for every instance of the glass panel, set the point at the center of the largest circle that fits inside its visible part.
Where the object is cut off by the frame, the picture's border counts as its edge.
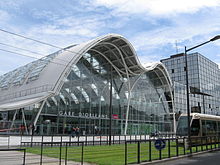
(87, 95)
(195, 127)
(182, 127)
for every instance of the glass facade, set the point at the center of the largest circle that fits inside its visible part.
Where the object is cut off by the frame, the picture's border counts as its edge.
(84, 102)
(105, 90)
(204, 81)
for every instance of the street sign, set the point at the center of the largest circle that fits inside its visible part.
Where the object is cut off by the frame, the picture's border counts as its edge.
(160, 144)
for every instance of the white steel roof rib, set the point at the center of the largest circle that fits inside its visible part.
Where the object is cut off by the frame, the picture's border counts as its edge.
(117, 51)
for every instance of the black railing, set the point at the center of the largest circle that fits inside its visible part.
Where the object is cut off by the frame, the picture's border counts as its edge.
(29, 141)
(135, 149)
(61, 157)
(175, 147)
(13, 158)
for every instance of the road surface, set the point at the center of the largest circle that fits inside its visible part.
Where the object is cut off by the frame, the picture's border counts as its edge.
(209, 158)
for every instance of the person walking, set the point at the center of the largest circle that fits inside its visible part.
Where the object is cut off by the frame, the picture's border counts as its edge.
(73, 132)
(77, 131)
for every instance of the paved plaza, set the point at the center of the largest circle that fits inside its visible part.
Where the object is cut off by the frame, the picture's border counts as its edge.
(16, 158)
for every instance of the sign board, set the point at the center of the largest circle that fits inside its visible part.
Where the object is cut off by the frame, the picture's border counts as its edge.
(160, 144)
(115, 116)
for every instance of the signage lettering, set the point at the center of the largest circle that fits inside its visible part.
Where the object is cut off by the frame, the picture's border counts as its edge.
(83, 115)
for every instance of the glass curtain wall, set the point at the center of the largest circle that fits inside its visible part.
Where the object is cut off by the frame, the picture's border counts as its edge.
(84, 102)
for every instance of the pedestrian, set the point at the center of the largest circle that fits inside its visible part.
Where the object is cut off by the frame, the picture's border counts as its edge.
(32, 129)
(77, 131)
(22, 129)
(73, 132)
(96, 130)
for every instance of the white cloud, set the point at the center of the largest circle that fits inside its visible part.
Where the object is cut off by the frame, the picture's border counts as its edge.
(67, 31)
(148, 59)
(15, 4)
(55, 30)
(86, 26)
(75, 24)
(44, 14)
(157, 7)
(62, 32)
(4, 16)
(180, 31)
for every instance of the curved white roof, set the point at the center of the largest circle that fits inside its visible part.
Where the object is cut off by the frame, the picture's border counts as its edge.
(51, 73)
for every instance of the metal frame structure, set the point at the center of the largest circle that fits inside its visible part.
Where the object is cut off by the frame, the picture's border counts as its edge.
(119, 53)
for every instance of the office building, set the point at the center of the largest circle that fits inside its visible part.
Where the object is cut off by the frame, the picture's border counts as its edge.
(204, 83)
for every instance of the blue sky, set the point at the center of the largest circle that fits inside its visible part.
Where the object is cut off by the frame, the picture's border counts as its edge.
(156, 28)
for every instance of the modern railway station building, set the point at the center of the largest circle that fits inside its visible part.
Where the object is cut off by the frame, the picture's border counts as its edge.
(97, 86)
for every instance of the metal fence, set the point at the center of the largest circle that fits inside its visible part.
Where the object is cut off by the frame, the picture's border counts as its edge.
(87, 139)
(145, 150)
(26, 140)
(13, 156)
(123, 150)
(58, 152)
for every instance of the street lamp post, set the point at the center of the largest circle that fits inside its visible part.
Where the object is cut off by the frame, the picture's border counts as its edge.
(187, 84)
(110, 108)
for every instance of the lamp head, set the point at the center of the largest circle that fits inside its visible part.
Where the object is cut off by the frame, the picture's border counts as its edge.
(215, 38)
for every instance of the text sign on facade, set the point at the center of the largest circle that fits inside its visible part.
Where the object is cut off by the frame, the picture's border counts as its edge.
(115, 116)
(83, 115)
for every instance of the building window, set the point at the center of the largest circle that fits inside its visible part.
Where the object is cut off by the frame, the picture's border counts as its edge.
(184, 68)
(172, 70)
